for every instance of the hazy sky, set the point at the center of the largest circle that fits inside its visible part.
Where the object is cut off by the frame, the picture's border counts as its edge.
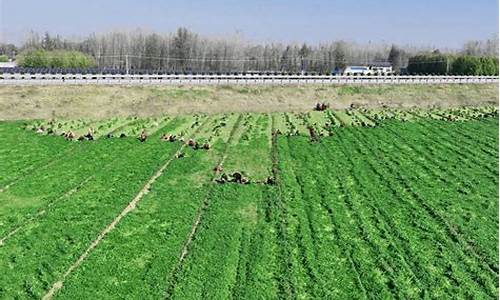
(441, 23)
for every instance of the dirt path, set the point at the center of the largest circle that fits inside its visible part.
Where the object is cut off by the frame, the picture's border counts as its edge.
(131, 206)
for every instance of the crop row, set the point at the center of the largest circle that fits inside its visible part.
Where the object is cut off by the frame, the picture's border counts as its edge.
(22, 152)
(418, 182)
(401, 210)
(286, 123)
(384, 217)
(140, 255)
(40, 253)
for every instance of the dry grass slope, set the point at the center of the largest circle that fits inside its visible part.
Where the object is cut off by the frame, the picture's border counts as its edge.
(30, 102)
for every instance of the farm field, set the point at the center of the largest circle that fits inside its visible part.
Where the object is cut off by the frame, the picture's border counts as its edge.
(339, 204)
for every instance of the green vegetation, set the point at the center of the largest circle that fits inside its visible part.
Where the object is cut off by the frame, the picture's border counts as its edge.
(54, 59)
(4, 58)
(471, 65)
(441, 64)
(340, 204)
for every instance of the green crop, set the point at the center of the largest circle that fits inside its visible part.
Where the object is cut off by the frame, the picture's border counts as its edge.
(348, 204)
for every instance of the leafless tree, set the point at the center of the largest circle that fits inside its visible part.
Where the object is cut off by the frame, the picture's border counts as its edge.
(188, 51)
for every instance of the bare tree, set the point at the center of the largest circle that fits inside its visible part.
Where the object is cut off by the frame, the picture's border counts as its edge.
(187, 51)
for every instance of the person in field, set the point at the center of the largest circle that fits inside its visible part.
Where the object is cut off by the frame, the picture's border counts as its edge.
(321, 106)
(194, 144)
(223, 179)
(271, 180)
(238, 177)
(144, 136)
(70, 135)
(165, 137)
(90, 134)
(313, 133)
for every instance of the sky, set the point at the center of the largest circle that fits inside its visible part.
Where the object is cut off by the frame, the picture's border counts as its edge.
(427, 23)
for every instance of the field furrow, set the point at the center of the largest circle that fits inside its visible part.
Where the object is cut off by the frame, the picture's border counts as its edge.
(323, 204)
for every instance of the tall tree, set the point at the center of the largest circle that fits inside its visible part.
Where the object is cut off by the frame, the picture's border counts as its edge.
(395, 58)
(181, 48)
(304, 53)
(340, 56)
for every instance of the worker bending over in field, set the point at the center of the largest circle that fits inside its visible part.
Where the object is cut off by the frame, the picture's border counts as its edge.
(313, 134)
(236, 177)
(69, 135)
(165, 137)
(90, 134)
(321, 106)
(144, 136)
(168, 137)
(218, 169)
(239, 178)
(194, 144)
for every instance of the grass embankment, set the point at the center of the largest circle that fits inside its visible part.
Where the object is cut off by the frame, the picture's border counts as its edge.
(42, 102)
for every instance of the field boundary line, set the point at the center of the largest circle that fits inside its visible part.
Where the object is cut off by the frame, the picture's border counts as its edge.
(282, 222)
(323, 203)
(131, 206)
(204, 206)
(205, 203)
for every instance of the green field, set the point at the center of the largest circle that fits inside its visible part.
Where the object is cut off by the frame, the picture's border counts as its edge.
(374, 204)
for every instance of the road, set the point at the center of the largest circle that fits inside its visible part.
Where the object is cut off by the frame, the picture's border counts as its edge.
(83, 79)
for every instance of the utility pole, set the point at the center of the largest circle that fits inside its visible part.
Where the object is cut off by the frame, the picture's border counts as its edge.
(126, 63)
(302, 64)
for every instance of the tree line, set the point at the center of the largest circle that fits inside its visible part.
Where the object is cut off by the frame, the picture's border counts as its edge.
(184, 50)
(452, 64)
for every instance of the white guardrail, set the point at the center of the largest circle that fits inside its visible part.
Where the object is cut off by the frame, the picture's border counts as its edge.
(195, 79)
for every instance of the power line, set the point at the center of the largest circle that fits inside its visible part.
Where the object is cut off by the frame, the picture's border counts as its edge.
(261, 59)
(299, 61)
